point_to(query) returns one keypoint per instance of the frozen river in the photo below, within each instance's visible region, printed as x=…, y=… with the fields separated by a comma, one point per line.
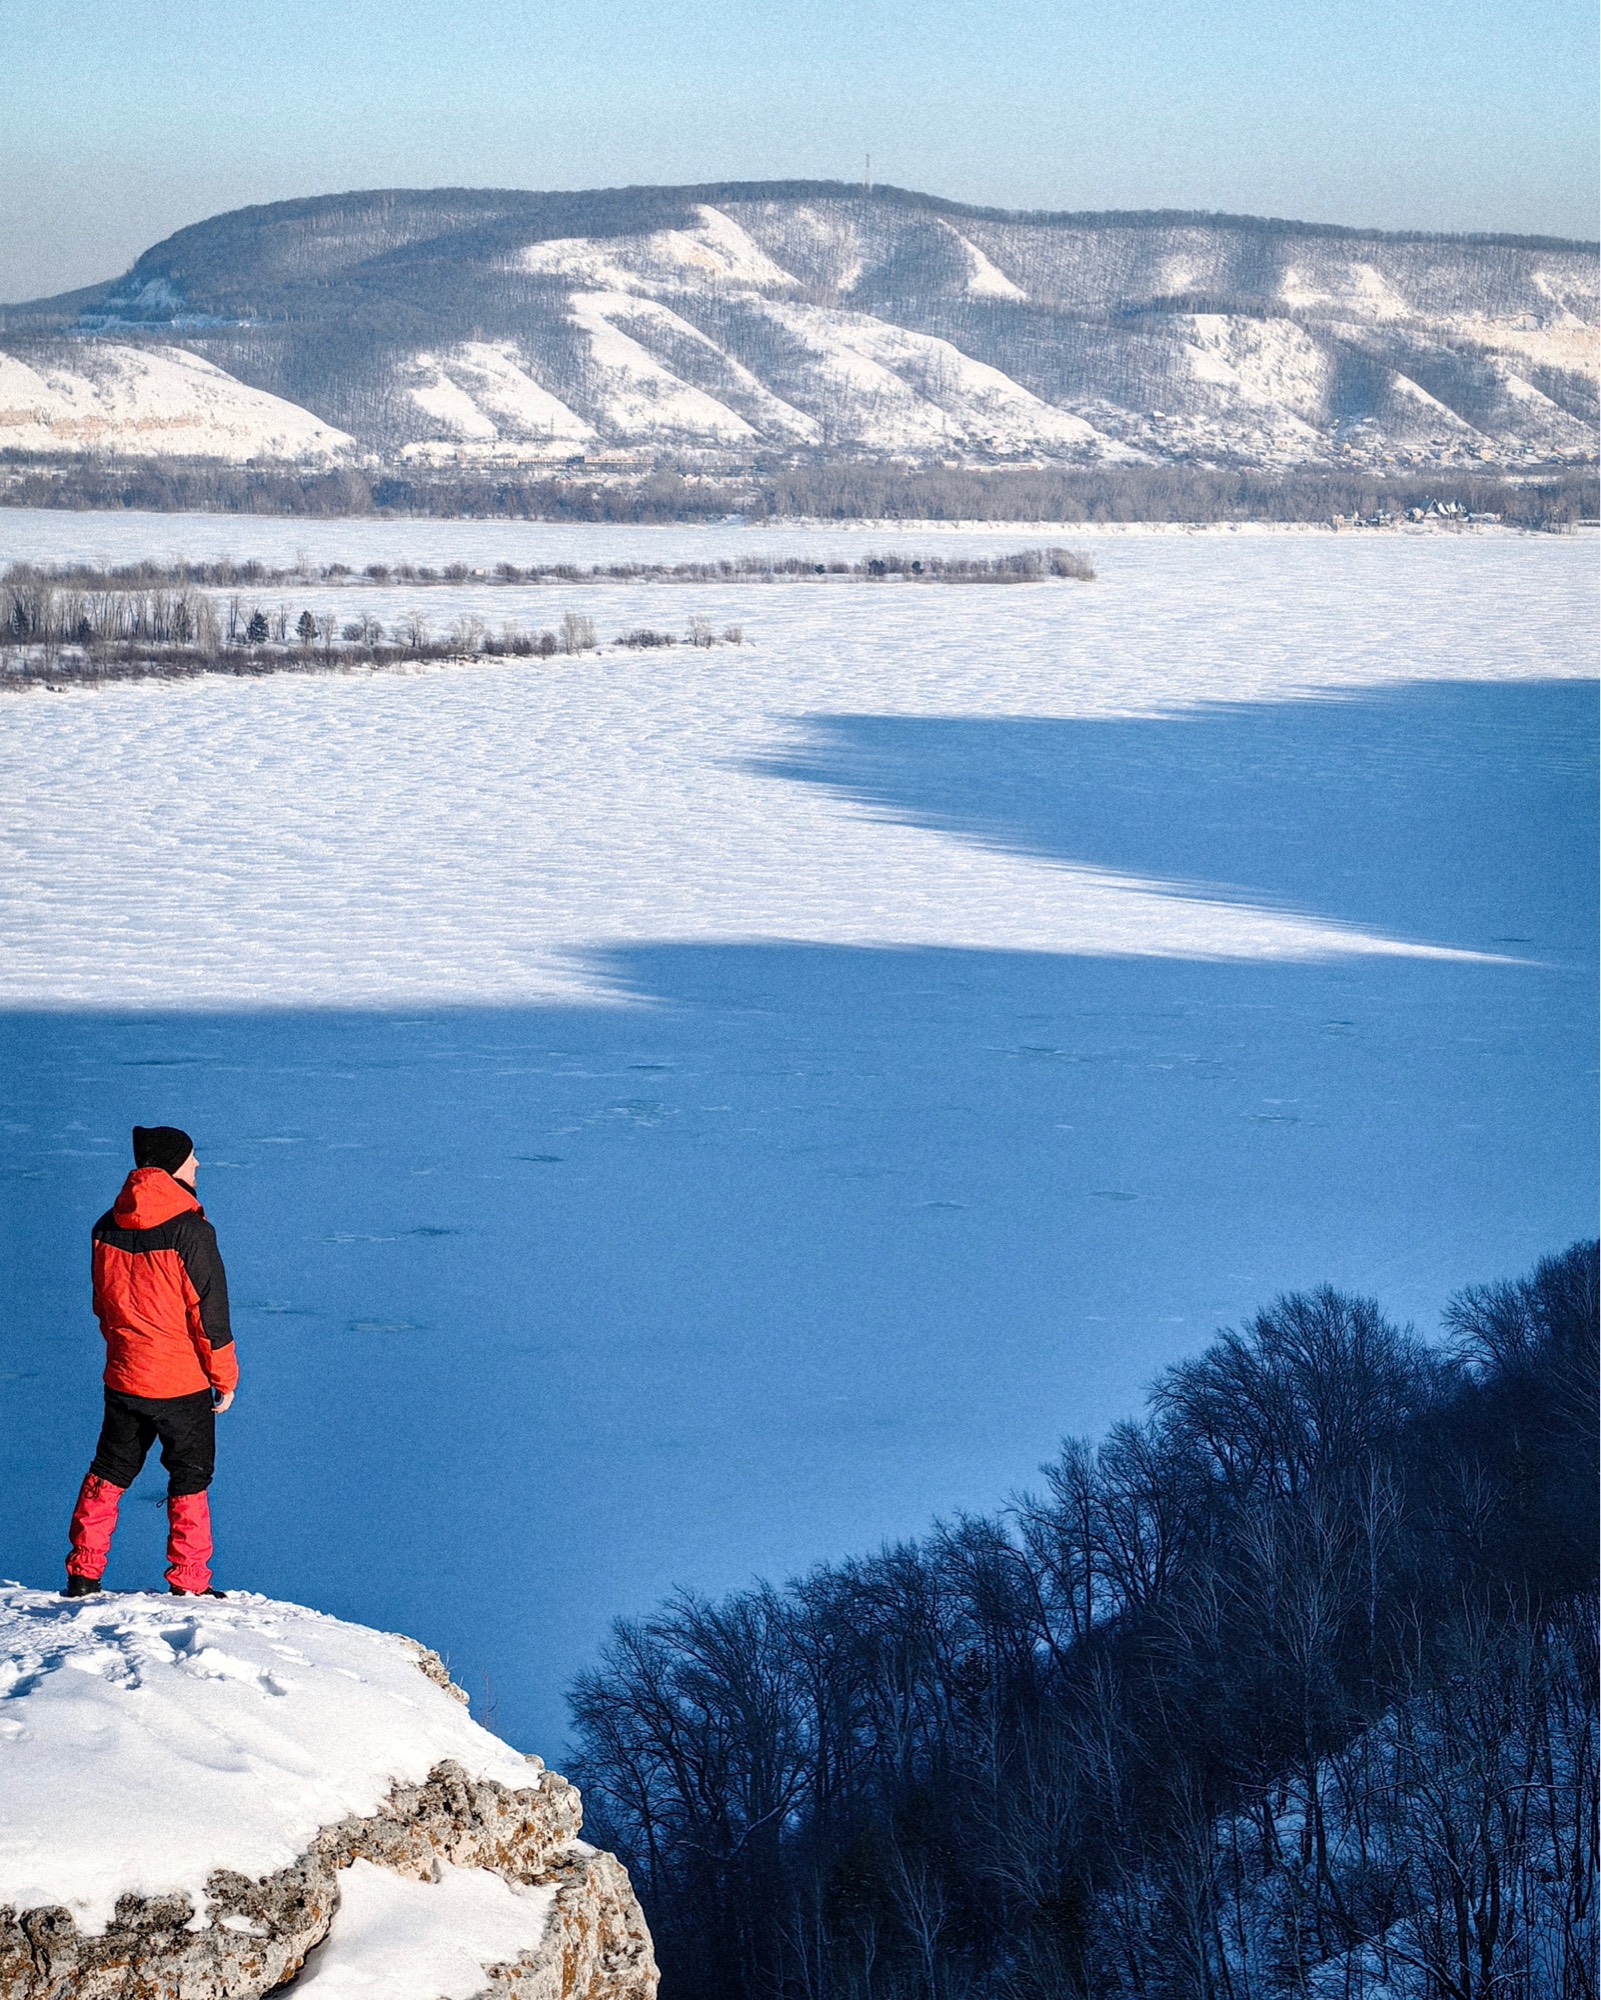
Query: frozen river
x=674, y=1116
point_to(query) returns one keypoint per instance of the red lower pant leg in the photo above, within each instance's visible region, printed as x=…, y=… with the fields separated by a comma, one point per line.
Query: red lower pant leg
x=189, y=1542
x=94, y=1522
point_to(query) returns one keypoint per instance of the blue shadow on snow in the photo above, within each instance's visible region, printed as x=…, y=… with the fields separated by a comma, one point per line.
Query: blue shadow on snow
x=542, y=1310
x=1446, y=812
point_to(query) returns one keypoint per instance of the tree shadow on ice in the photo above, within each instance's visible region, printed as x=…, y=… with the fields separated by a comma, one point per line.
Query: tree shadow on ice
x=1442, y=812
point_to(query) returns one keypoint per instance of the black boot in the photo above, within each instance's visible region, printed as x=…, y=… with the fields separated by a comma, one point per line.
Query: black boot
x=82, y=1586
x=174, y=1591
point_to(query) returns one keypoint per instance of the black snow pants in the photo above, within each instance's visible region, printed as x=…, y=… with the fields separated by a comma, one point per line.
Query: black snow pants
x=186, y=1426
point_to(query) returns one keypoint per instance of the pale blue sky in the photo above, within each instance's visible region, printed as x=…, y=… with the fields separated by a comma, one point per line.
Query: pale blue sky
x=135, y=117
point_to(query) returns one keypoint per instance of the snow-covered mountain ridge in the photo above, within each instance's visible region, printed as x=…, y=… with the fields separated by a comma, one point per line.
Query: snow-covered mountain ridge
x=199, y=1799
x=739, y=322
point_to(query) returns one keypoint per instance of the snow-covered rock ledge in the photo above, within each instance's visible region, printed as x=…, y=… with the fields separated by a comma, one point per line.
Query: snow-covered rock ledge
x=201, y=1799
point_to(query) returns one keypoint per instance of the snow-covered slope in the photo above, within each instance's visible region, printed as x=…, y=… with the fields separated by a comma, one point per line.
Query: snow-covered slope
x=201, y=1788
x=480, y=388
x=108, y=396
x=714, y=250
x=878, y=384
x=735, y=321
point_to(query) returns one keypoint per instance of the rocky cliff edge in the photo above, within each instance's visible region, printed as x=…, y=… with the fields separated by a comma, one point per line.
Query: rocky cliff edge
x=216, y=1799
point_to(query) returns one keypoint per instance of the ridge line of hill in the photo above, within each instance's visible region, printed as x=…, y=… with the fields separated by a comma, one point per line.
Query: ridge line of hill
x=300, y=207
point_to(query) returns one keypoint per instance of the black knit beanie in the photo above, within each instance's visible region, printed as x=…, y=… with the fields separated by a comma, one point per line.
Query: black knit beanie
x=161, y=1146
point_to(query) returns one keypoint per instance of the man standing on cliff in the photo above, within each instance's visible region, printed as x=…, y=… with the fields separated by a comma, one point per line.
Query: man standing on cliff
x=161, y=1297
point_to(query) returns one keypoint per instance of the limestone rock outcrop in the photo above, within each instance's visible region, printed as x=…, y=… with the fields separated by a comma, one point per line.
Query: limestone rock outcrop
x=248, y=1935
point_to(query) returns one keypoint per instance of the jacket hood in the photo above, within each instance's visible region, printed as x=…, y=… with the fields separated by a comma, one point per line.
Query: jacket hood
x=151, y=1196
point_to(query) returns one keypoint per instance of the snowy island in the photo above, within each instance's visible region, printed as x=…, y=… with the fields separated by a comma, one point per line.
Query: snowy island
x=218, y=1797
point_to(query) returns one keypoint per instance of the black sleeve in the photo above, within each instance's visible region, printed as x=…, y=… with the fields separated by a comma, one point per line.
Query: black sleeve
x=203, y=1261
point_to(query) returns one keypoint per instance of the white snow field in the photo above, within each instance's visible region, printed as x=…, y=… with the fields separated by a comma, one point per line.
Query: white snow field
x=46, y=535
x=484, y=832
x=675, y=1116
x=145, y=1742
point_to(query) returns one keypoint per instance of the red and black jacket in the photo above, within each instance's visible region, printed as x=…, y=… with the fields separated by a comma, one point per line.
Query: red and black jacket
x=160, y=1292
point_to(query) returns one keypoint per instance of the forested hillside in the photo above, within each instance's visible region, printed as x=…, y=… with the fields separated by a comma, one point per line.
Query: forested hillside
x=1286, y=1687
x=729, y=324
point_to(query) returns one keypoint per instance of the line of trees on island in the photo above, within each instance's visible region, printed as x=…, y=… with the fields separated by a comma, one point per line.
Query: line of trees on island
x=1286, y=1688
x=80, y=622
x=55, y=636
x=1033, y=565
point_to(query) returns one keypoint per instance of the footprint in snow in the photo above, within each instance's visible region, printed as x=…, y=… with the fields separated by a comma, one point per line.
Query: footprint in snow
x=211, y=1663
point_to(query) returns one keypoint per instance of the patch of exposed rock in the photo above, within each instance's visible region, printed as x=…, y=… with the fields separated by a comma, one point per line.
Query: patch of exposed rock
x=253, y=1936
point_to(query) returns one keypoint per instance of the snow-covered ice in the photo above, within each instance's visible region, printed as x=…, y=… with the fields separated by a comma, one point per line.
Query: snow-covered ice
x=481, y=832
x=147, y=1741
x=675, y=1116
x=47, y=535
x=397, y=1939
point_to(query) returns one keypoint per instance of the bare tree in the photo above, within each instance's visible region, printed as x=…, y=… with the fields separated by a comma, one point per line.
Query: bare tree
x=577, y=633
x=1271, y=1694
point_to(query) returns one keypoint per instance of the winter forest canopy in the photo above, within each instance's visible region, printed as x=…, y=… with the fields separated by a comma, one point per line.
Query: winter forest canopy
x=1286, y=1687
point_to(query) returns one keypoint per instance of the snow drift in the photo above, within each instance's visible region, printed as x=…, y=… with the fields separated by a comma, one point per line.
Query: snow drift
x=204, y=1794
